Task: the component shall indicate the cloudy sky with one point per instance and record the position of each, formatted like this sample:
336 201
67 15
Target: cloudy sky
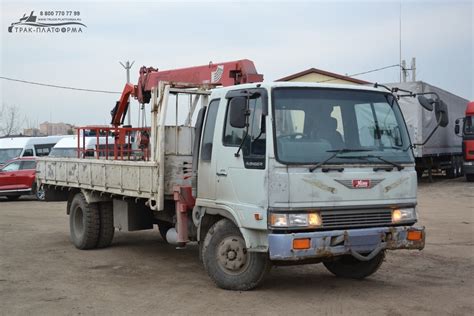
282 38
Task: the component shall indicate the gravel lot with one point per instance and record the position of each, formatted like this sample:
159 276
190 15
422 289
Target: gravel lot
42 273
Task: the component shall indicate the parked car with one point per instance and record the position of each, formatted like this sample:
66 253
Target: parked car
17 178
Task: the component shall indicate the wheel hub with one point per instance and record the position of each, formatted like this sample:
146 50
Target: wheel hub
232 255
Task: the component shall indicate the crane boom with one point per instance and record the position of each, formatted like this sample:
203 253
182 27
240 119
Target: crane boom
219 74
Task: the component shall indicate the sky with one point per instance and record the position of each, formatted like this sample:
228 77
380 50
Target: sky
282 38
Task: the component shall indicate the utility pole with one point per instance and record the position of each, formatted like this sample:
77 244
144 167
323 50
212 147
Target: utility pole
127 67
413 69
404 71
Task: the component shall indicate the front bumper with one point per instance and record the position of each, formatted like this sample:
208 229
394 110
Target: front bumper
468 167
326 244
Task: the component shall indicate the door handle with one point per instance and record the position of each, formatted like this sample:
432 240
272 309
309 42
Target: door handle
221 173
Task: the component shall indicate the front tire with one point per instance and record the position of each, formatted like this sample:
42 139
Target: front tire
84 223
352 268
227 260
470 177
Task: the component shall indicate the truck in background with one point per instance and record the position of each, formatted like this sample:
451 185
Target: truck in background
271 173
443 152
467 141
13 147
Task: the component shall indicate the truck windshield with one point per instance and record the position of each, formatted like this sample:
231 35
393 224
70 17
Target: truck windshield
468 127
9 153
311 123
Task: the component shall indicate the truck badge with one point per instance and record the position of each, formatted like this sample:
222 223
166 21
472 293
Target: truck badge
361 184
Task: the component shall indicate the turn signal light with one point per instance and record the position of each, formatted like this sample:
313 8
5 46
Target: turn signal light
414 235
300 244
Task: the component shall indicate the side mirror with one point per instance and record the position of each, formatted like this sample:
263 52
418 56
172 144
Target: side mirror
456 127
427 104
441 111
238 112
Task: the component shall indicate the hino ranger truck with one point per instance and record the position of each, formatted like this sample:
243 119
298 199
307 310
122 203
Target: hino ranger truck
256 174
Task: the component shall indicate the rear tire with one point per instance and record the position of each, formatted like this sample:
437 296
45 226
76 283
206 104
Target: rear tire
349 267
84 223
107 229
470 177
13 197
227 260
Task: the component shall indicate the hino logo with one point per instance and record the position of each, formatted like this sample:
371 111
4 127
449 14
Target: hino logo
361 184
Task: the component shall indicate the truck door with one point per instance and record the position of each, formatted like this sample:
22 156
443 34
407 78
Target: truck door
206 188
240 181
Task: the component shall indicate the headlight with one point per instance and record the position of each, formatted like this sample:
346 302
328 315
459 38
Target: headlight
402 215
295 220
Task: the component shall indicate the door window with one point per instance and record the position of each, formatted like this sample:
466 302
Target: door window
207 139
28 153
254 144
28 165
14 166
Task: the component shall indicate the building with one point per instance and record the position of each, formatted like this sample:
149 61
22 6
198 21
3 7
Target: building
318 75
31 132
47 128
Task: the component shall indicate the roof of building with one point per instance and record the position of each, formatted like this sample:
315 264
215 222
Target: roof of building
322 72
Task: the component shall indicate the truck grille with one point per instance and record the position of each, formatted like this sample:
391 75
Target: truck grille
356 218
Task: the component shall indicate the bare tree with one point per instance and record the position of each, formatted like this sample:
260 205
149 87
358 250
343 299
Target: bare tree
10 120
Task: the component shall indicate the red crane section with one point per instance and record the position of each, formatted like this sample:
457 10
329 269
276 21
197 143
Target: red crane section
218 74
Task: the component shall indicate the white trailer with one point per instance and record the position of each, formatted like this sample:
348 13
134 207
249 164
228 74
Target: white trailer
444 150
271 173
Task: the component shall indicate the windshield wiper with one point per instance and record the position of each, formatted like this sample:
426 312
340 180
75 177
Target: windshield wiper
335 153
396 165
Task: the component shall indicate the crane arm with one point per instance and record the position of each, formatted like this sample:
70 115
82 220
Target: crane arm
121 107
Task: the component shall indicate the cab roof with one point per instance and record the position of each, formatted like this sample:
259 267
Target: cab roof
270 85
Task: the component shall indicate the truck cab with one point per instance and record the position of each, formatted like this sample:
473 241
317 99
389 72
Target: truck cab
468 141
308 172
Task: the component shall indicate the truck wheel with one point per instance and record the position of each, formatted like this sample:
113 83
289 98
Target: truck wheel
84 223
228 262
107 229
40 194
470 177
350 267
13 197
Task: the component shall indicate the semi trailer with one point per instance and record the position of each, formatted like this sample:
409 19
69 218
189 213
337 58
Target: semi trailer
443 152
269 174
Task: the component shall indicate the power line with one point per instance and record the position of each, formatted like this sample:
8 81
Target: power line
362 73
59 87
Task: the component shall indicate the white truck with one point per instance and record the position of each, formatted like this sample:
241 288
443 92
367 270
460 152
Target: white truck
271 173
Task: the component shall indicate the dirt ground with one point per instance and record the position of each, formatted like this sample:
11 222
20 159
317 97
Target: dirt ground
42 273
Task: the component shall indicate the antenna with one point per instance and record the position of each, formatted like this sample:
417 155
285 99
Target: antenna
400 42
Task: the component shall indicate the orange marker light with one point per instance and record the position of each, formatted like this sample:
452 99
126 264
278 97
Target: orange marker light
414 235
303 243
